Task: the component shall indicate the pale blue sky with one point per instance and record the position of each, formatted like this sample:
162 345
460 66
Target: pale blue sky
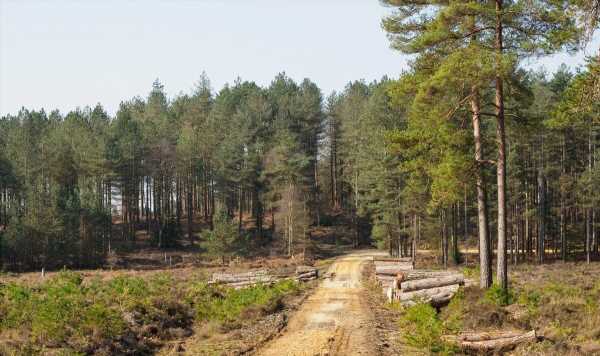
61 54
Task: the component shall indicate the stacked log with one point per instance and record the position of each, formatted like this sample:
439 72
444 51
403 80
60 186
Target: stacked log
491 341
436 296
387 271
422 274
242 280
436 288
306 273
247 279
433 282
400 282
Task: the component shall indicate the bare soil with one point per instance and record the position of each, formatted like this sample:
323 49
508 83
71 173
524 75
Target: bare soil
335 319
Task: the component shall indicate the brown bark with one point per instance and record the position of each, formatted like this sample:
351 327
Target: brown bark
420 274
433 282
436 296
491 341
502 269
393 270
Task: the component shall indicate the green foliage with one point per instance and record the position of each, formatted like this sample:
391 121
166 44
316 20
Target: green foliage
471 272
499 296
60 311
454 312
219 242
422 328
227 305
68 313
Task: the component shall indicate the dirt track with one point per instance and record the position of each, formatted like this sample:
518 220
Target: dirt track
334 320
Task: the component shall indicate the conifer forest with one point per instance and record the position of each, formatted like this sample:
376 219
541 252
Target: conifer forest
467 189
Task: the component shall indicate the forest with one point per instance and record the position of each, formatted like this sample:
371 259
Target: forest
471 151
402 158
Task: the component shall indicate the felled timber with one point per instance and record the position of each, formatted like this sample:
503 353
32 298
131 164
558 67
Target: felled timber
432 282
435 296
392 270
497 341
421 274
252 277
392 259
306 273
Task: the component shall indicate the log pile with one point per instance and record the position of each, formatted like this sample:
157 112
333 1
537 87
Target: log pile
247 279
434 287
387 271
242 280
491 341
403 284
306 273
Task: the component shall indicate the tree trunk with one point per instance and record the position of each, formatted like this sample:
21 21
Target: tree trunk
542 215
563 239
444 239
485 261
502 269
190 211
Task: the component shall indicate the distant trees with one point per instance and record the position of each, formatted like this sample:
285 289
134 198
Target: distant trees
74 187
404 163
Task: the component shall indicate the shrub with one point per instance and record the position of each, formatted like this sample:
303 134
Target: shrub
101 322
65 314
499 296
471 272
220 240
530 299
214 303
454 312
421 328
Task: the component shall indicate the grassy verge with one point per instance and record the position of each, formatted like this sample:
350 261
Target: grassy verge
67 315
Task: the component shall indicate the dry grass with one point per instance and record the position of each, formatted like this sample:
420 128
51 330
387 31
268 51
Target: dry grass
561 301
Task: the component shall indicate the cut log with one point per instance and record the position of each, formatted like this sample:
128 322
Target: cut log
389 263
392 270
308 274
491 341
305 277
385 277
237 277
484 336
242 280
304 269
392 259
434 282
436 296
412 275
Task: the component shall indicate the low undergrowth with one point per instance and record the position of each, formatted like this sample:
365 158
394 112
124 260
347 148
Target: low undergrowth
422 328
561 302
123 315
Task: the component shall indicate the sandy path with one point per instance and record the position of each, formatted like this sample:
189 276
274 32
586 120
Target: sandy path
334 320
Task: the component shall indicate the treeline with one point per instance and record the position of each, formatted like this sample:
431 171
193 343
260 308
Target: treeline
73 185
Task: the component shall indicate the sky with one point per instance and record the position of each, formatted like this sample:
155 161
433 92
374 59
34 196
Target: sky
63 54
